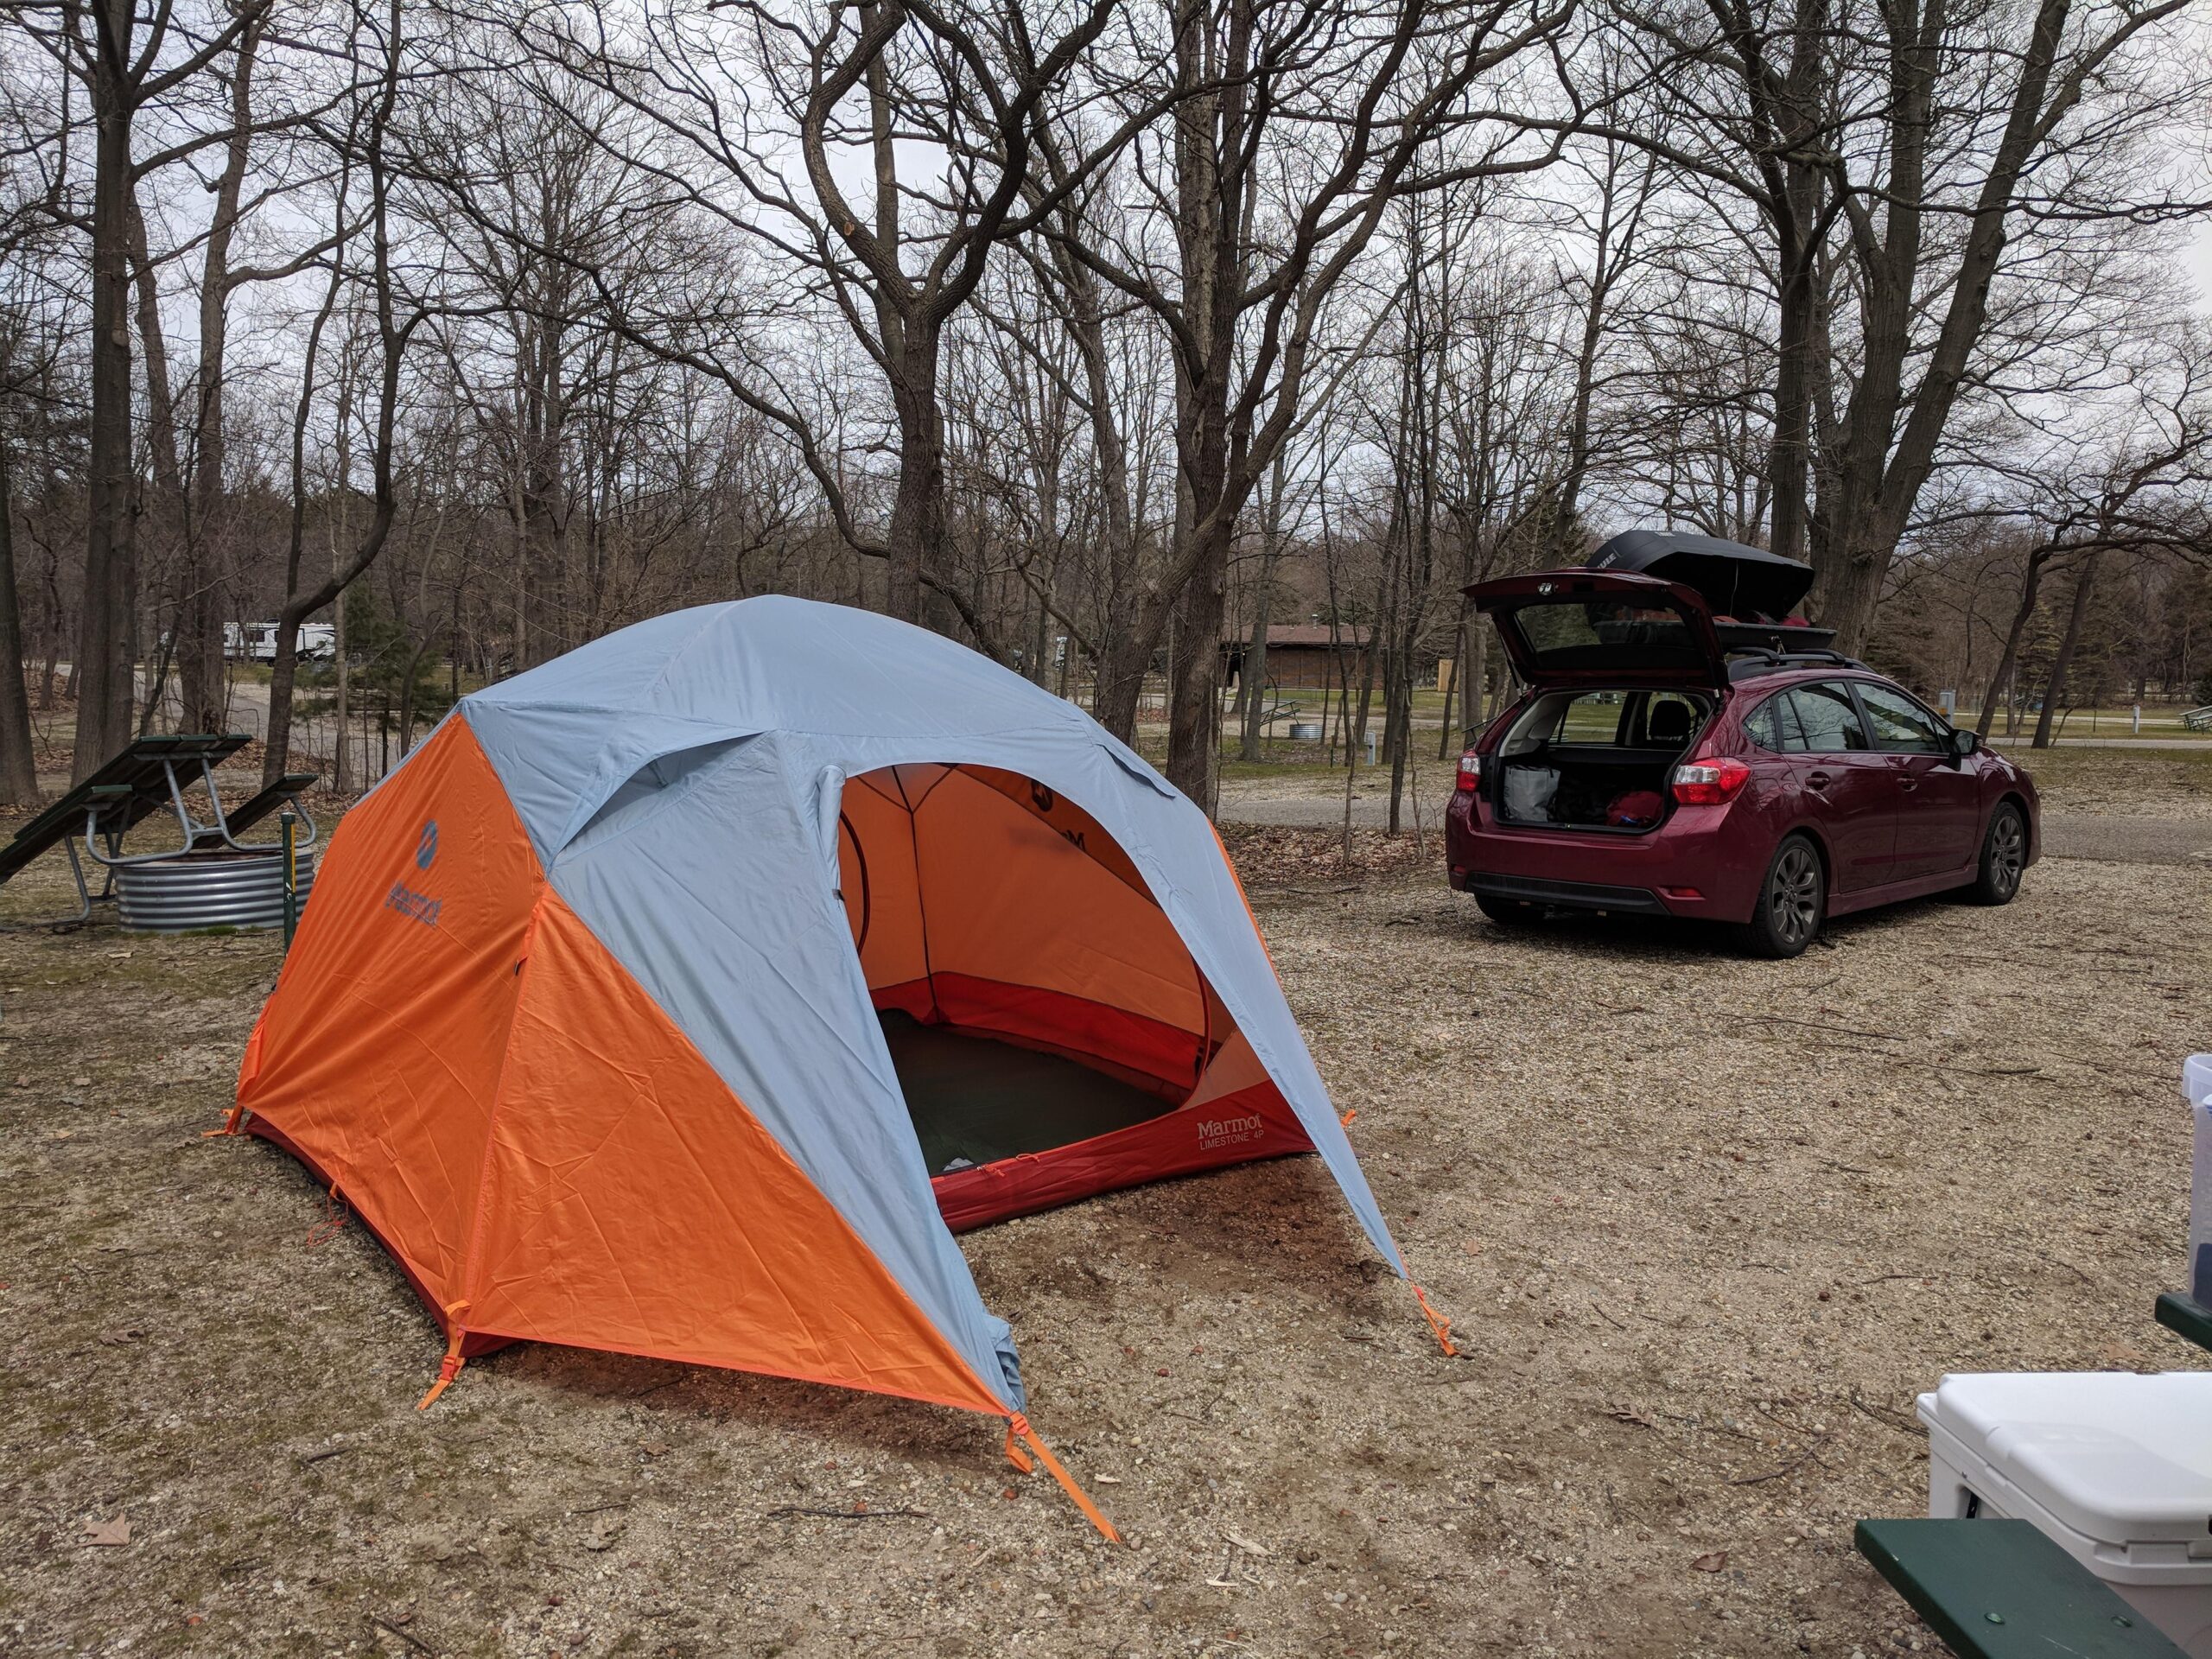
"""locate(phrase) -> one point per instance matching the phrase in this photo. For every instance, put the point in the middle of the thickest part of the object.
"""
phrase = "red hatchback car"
(1678, 751)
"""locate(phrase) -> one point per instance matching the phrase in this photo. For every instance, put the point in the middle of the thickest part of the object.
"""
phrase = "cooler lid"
(2125, 1460)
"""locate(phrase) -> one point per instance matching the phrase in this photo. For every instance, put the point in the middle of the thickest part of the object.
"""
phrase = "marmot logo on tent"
(1229, 1131)
(414, 906)
(427, 847)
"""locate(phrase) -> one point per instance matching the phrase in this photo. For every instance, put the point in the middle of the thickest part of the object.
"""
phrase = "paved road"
(2066, 835)
(2127, 841)
(2018, 747)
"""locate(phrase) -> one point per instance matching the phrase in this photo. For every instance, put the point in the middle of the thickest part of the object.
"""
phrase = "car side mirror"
(1963, 743)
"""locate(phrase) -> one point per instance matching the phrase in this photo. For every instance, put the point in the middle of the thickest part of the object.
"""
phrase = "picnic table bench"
(2186, 1318)
(2001, 1590)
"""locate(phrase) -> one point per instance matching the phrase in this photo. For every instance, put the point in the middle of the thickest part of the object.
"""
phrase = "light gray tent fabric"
(681, 782)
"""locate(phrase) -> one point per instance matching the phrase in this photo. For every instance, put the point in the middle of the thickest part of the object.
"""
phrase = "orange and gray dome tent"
(643, 1006)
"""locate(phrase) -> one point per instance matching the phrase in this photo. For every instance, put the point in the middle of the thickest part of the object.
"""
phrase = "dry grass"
(1706, 1225)
(2124, 783)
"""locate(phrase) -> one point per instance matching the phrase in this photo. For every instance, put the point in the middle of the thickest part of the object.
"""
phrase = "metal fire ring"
(214, 889)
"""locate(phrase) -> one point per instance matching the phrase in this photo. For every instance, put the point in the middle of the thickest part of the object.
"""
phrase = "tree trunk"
(915, 544)
(170, 506)
(2000, 677)
(2075, 617)
(1194, 681)
(197, 629)
(1790, 452)
(18, 768)
(106, 620)
(1253, 681)
(284, 676)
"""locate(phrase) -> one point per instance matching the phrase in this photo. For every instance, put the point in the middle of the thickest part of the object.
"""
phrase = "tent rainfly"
(680, 996)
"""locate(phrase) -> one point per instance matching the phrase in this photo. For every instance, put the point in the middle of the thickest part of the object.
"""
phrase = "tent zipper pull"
(1017, 1428)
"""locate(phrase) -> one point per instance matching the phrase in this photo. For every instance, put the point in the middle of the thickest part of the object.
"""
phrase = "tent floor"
(976, 1099)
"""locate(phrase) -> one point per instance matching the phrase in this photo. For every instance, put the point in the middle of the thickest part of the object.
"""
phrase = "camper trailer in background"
(255, 642)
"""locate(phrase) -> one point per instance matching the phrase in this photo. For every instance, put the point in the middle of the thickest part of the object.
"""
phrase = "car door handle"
(1817, 780)
(1908, 785)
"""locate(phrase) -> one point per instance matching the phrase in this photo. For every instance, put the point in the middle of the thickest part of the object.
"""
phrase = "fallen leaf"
(1712, 1561)
(108, 1534)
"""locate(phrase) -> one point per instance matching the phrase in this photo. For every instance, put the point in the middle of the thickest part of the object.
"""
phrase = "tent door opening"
(1038, 1005)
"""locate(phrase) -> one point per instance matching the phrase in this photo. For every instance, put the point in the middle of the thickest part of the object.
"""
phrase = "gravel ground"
(1705, 1224)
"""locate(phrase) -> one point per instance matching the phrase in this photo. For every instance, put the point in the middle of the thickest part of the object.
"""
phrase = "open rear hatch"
(1593, 627)
(1752, 595)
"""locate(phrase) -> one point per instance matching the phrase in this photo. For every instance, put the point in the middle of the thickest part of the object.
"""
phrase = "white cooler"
(2114, 1468)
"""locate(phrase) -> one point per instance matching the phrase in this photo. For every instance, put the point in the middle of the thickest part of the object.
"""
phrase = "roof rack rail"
(1748, 657)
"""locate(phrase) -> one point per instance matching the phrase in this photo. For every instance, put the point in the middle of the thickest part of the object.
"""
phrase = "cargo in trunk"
(1596, 759)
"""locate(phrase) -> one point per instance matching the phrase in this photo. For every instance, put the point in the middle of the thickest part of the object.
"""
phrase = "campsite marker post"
(291, 877)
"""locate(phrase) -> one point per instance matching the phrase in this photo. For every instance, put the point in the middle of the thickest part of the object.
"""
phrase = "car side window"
(1900, 725)
(1829, 717)
(1773, 726)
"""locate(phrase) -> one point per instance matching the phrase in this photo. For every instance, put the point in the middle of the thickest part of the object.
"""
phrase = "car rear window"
(1586, 634)
(1827, 720)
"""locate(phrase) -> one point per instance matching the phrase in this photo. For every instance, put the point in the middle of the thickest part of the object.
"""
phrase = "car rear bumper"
(1692, 866)
(1573, 895)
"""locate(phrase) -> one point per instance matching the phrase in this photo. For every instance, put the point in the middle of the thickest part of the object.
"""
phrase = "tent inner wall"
(1033, 994)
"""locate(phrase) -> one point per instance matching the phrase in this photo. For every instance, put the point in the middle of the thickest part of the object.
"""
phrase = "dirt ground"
(1705, 1225)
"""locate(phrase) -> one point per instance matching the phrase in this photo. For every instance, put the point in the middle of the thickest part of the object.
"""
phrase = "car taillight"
(1710, 783)
(1471, 771)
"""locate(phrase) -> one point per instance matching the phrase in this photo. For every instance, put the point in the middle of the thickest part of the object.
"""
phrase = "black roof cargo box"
(1753, 595)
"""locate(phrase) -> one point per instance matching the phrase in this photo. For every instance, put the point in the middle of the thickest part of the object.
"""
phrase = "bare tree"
(125, 61)
(392, 333)
(1288, 141)
(1930, 134)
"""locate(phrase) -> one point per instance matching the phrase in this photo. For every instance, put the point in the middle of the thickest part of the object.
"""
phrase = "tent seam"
(469, 1259)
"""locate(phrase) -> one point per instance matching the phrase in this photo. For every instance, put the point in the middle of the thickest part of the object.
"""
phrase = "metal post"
(291, 877)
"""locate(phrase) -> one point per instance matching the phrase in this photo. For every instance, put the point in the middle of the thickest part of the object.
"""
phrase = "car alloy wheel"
(2008, 853)
(1793, 894)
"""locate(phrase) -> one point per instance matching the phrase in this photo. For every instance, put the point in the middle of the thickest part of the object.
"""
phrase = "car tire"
(1792, 901)
(1509, 912)
(2004, 857)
